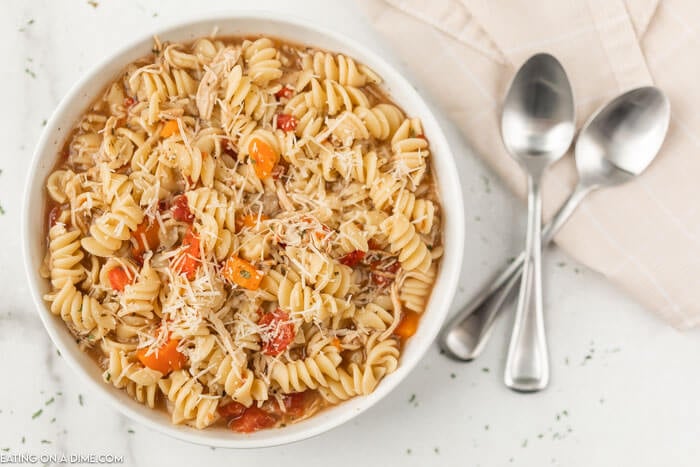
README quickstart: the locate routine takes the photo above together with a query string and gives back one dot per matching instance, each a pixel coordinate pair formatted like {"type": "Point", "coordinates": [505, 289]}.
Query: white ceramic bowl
{"type": "Point", "coordinates": [90, 87]}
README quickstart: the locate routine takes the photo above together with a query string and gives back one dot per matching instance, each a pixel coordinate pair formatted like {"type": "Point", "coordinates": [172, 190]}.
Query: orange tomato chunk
{"type": "Point", "coordinates": [145, 238]}
{"type": "Point", "coordinates": [231, 410]}
{"type": "Point", "coordinates": [408, 325]}
{"type": "Point", "coordinates": [188, 261]}
{"type": "Point", "coordinates": [263, 156]}
{"type": "Point", "coordinates": [170, 128]}
{"type": "Point", "coordinates": [118, 278]}
{"type": "Point", "coordinates": [295, 403]}
{"type": "Point", "coordinates": [165, 359]}
{"type": "Point", "coordinates": [253, 419]}
{"type": "Point", "coordinates": [241, 272]}
{"type": "Point", "coordinates": [278, 332]}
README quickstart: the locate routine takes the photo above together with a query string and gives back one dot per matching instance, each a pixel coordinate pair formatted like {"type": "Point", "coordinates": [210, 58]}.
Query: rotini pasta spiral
{"type": "Point", "coordinates": [84, 147]}
{"type": "Point", "coordinates": [140, 298]}
{"type": "Point", "coordinates": [309, 119]}
{"type": "Point", "coordinates": [109, 231]}
{"type": "Point", "coordinates": [190, 404]}
{"type": "Point", "coordinates": [216, 214]}
{"type": "Point", "coordinates": [310, 373]}
{"type": "Point", "coordinates": [389, 193]}
{"type": "Point", "coordinates": [382, 355]}
{"type": "Point", "coordinates": [193, 163]}
{"type": "Point", "coordinates": [415, 288]}
{"type": "Point", "coordinates": [327, 275]}
{"type": "Point", "coordinates": [84, 313]}
{"type": "Point", "coordinates": [339, 68]}
{"type": "Point", "coordinates": [310, 304]}
{"type": "Point", "coordinates": [373, 316]}
{"type": "Point", "coordinates": [382, 358]}
{"type": "Point", "coordinates": [65, 256]}
{"type": "Point", "coordinates": [152, 81]}
{"type": "Point", "coordinates": [381, 121]}
{"type": "Point", "coordinates": [410, 151]}
{"type": "Point", "coordinates": [351, 164]}
{"type": "Point", "coordinates": [117, 148]}
{"type": "Point", "coordinates": [351, 382]}
{"type": "Point", "coordinates": [352, 238]}
{"type": "Point", "coordinates": [262, 62]}
{"type": "Point", "coordinates": [332, 97]}
{"type": "Point", "coordinates": [140, 383]}
{"type": "Point", "coordinates": [413, 253]}
{"type": "Point", "coordinates": [348, 128]}
{"type": "Point", "coordinates": [114, 185]}
{"type": "Point", "coordinates": [62, 185]}
{"type": "Point", "coordinates": [175, 57]}
{"type": "Point", "coordinates": [228, 371]}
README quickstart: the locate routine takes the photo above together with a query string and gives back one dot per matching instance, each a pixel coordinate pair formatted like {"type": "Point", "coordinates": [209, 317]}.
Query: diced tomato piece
{"type": "Point", "coordinates": [242, 272]}
{"type": "Point", "coordinates": [119, 279]}
{"type": "Point", "coordinates": [231, 410]}
{"type": "Point", "coordinates": [145, 238]}
{"type": "Point", "coordinates": [295, 404]}
{"type": "Point", "coordinates": [170, 128]}
{"type": "Point", "coordinates": [279, 332]}
{"type": "Point", "coordinates": [263, 157]}
{"type": "Point", "coordinates": [129, 101]}
{"type": "Point", "coordinates": [352, 258]}
{"type": "Point", "coordinates": [54, 214]}
{"type": "Point", "coordinates": [408, 325]}
{"type": "Point", "coordinates": [188, 261]}
{"type": "Point", "coordinates": [165, 359]}
{"type": "Point", "coordinates": [253, 419]}
{"type": "Point", "coordinates": [284, 93]}
{"type": "Point", "coordinates": [181, 209]}
{"type": "Point", "coordinates": [286, 122]}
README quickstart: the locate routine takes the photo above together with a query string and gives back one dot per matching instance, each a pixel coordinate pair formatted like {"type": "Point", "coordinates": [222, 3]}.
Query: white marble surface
{"type": "Point", "coordinates": [624, 389]}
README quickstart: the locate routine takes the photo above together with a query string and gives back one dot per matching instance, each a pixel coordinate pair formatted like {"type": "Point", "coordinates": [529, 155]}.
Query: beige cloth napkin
{"type": "Point", "coordinates": [644, 236]}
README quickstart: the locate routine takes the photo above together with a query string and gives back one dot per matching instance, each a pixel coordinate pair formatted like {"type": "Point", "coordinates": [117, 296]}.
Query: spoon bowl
{"type": "Point", "coordinates": [619, 141]}
{"type": "Point", "coordinates": [537, 124]}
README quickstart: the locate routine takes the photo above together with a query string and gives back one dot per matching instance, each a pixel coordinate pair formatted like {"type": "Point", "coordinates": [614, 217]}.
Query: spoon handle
{"type": "Point", "coordinates": [527, 364]}
{"type": "Point", "coordinates": [466, 334]}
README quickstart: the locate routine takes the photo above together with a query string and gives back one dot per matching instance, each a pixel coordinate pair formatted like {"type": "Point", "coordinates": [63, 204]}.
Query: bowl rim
{"type": "Point", "coordinates": [448, 283]}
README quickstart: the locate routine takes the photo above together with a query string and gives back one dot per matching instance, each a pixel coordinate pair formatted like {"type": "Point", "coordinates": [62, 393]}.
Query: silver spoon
{"type": "Point", "coordinates": [537, 127]}
{"type": "Point", "coordinates": [617, 143]}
